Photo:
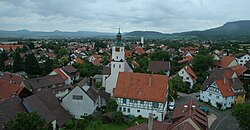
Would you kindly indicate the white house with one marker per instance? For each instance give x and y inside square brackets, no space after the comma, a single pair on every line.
[242,59]
[217,88]
[118,64]
[188,76]
[140,94]
[84,99]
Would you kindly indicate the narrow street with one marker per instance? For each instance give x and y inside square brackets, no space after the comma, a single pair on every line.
[223,120]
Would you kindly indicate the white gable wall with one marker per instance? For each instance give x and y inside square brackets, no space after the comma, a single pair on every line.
[213,95]
[243,60]
[185,77]
[78,108]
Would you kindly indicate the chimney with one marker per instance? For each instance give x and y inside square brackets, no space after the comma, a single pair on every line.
[150,80]
[150,121]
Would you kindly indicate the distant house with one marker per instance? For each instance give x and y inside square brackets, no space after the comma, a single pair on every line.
[139,51]
[9,90]
[188,76]
[222,87]
[186,59]
[227,61]
[140,94]
[159,66]
[84,99]
[47,106]
[68,73]
[95,59]
[242,59]
[12,78]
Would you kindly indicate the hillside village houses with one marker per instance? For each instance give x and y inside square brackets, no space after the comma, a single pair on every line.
[188,76]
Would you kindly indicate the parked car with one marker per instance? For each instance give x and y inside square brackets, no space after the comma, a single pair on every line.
[204,109]
[171,106]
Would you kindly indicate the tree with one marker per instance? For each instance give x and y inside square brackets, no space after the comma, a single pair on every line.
[18,62]
[4,55]
[111,105]
[31,65]
[201,64]
[88,69]
[179,85]
[27,121]
[242,114]
[1,63]
[31,45]
[160,56]
[117,117]
[47,66]
[63,52]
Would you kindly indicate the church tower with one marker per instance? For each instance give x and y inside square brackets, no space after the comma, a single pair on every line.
[118,64]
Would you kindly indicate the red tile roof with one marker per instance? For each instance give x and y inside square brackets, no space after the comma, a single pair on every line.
[140,86]
[189,111]
[190,72]
[12,78]
[7,90]
[8,47]
[238,69]
[224,87]
[186,59]
[78,61]
[128,53]
[225,61]
[59,71]
[139,51]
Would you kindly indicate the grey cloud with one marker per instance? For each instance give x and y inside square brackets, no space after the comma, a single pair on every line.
[107,15]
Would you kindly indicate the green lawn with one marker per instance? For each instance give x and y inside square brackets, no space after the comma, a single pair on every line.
[96,124]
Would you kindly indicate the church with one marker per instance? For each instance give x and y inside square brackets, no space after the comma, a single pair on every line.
[118,64]
[136,94]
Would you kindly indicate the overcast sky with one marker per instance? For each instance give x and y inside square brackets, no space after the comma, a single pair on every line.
[107,15]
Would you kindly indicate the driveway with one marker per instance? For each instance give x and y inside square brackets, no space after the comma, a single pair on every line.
[219,120]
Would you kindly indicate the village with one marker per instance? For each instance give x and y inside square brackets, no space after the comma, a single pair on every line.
[117,84]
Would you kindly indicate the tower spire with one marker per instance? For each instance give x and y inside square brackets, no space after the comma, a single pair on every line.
[119,38]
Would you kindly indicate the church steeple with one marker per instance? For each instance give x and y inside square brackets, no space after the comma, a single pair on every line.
[119,38]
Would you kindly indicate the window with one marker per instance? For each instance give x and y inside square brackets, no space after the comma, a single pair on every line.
[124,100]
[113,65]
[121,49]
[142,102]
[77,97]
[182,72]
[128,110]
[135,101]
[124,109]
[85,114]
[116,57]
[120,108]
[217,97]
[155,104]
[117,49]
[187,78]
[210,94]
[138,111]
[131,100]
[120,66]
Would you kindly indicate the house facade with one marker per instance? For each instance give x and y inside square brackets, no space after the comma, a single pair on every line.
[188,76]
[84,99]
[242,59]
[139,94]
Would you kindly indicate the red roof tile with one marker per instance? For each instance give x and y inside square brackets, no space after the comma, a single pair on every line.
[59,71]
[190,72]
[224,87]
[238,69]
[8,47]
[12,78]
[7,90]
[139,51]
[186,59]
[140,86]
[78,61]
[225,61]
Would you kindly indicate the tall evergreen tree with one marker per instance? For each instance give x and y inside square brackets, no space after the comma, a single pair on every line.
[18,62]
[4,55]
[1,63]
[31,65]
[47,66]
